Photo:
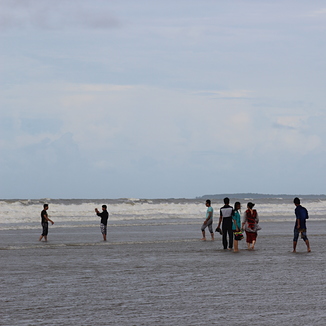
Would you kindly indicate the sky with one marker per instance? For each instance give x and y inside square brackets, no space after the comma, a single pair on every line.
[161,99]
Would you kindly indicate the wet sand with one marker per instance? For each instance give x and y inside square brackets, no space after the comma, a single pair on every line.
[159,272]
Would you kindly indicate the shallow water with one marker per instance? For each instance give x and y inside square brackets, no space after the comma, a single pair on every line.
[159,272]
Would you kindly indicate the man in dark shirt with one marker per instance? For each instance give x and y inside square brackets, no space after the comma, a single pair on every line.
[104,220]
[44,221]
[301,214]
[226,213]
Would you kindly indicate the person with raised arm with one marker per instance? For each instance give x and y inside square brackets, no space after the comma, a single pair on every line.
[104,220]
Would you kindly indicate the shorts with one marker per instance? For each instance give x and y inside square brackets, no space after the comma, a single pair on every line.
[45,227]
[209,224]
[103,228]
[297,233]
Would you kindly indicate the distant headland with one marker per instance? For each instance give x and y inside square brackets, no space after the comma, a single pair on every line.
[262,196]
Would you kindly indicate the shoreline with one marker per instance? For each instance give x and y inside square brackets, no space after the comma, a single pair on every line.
[144,231]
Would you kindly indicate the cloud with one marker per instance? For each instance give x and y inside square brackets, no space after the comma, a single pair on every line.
[290,122]
[183,92]
[160,123]
[319,12]
[97,88]
[288,135]
[227,94]
[55,15]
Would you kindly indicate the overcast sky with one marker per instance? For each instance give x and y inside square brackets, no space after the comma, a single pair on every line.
[160,99]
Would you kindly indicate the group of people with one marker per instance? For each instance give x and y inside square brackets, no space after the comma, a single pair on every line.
[230,220]
[232,227]
[104,215]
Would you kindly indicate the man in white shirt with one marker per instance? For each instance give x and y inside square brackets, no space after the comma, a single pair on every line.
[226,213]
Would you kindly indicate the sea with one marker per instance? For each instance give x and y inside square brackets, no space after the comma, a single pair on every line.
[154,269]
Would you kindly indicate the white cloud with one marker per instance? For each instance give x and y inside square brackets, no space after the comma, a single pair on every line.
[161,123]
[181,89]
[94,88]
[55,15]
[231,94]
[301,143]
[319,12]
[292,121]
[291,135]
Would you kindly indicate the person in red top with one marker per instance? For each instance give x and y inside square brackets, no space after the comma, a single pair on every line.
[250,225]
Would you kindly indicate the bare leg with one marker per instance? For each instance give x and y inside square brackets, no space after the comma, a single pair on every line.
[236,246]
[308,245]
[45,238]
[294,246]
[212,236]
[41,237]
[253,244]
[204,236]
[248,244]
[104,237]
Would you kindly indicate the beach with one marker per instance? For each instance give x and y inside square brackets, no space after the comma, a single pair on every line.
[159,272]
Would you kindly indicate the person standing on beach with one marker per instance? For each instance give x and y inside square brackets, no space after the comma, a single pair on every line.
[250,225]
[208,221]
[236,226]
[301,214]
[45,223]
[226,213]
[104,220]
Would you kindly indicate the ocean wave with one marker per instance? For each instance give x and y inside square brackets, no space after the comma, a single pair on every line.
[70,211]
